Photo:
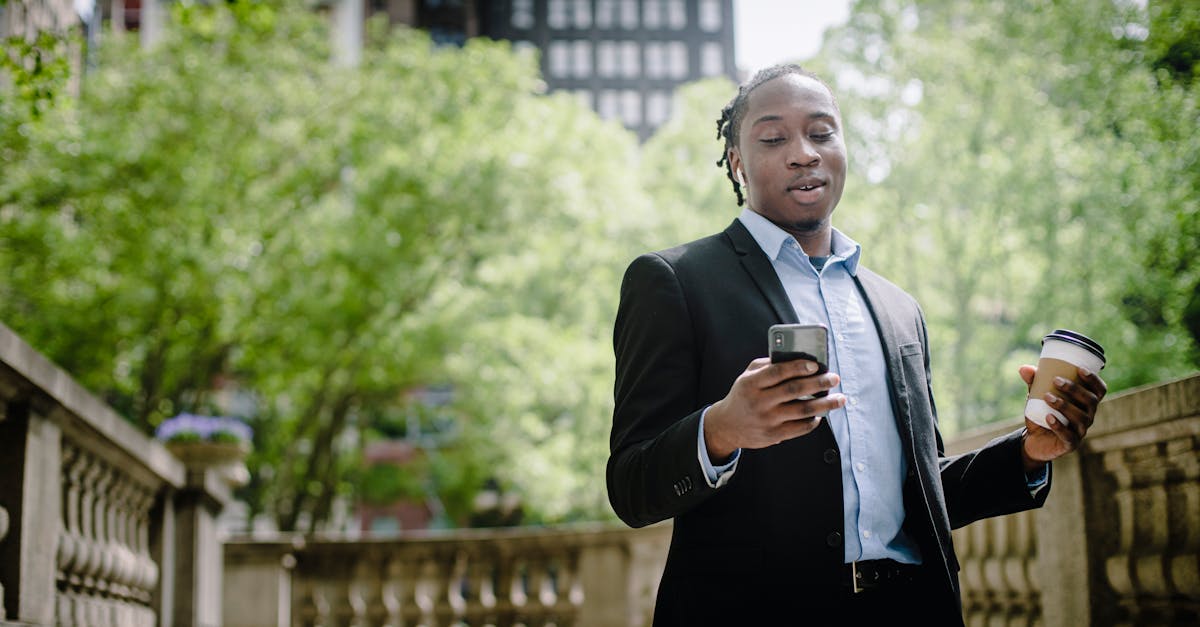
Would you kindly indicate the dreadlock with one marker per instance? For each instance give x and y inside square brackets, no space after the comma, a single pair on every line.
[730,123]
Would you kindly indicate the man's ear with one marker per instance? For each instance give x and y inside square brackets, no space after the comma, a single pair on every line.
[735,164]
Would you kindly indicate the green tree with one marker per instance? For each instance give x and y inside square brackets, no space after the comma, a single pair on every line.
[1013,160]
[231,206]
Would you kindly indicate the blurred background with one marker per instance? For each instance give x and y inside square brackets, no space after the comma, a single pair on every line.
[389,235]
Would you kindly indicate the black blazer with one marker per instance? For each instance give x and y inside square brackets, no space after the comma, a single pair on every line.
[690,320]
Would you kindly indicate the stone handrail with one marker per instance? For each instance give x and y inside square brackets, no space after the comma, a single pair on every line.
[574,575]
[1118,541]
[96,519]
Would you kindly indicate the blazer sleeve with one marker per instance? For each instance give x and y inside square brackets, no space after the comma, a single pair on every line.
[654,472]
[988,481]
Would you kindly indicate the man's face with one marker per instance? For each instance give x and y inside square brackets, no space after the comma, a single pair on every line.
[791,154]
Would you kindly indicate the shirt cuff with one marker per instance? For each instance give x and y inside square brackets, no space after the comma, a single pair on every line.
[716,476]
[1037,480]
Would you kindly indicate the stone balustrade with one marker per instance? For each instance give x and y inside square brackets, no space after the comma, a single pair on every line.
[99,524]
[1118,541]
[574,575]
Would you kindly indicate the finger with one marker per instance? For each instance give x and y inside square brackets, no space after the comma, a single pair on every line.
[1027,372]
[795,428]
[1093,382]
[799,410]
[1078,421]
[1079,396]
[802,387]
[784,370]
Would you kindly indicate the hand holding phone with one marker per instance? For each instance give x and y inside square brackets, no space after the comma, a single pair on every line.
[786,342]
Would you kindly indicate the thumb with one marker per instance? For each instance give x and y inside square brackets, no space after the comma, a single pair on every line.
[1027,371]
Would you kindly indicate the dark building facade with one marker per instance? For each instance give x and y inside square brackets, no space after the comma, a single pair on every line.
[623,58]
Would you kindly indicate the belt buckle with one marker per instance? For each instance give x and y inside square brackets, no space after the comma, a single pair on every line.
[854,577]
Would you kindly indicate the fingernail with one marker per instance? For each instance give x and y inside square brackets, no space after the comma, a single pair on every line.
[1060,382]
[1084,371]
[810,367]
[1051,399]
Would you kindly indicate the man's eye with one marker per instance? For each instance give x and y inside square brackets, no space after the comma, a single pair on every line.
[772,140]
[822,137]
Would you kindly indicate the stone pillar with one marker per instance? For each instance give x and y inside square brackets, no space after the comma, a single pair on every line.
[198,552]
[30,476]
[152,22]
[1062,547]
[347,32]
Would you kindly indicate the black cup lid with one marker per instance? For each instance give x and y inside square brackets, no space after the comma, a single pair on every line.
[1078,339]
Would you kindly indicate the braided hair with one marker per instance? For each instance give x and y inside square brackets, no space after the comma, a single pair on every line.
[730,123]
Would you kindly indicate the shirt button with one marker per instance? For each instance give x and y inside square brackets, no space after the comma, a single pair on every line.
[860,466]
[834,539]
[830,456]
[867,533]
[854,401]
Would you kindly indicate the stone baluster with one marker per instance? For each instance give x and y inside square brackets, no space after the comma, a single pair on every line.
[3,533]
[71,547]
[540,589]
[509,596]
[1157,494]
[481,583]
[397,594]
[147,568]
[362,592]
[445,587]
[316,608]
[458,590]
[569,593]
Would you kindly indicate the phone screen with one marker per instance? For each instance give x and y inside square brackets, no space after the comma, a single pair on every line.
[800,341]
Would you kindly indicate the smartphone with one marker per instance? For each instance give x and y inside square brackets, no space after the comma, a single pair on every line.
[786,342]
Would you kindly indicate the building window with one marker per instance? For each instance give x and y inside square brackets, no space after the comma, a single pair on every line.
[711,60]
[556,13]
[629,14]
[581,58]
[677,59]
[582,14]
[631,108]
[630,67]
[606,13]
[652,13]
[710,15]
[558,58]
[656,59]
[676,14]
[522,14]
[606,59]
[608,105]
[658,107]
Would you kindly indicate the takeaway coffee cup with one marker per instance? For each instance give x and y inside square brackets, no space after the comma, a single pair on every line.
[1062,351]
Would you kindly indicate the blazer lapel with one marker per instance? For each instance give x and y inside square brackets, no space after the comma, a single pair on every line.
[877,304]
[759,267]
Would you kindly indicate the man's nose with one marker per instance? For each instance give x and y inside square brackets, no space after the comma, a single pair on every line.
[803,155]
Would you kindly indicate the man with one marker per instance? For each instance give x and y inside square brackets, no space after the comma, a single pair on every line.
[834,509]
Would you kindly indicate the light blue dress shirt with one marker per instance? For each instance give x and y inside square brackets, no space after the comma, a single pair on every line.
[872,463]
[873,466]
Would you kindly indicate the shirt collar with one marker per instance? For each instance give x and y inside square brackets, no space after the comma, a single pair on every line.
[772,239]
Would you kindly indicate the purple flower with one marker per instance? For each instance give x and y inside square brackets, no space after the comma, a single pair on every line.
[203,428]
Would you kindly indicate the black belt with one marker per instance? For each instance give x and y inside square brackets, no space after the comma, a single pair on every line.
[867,574]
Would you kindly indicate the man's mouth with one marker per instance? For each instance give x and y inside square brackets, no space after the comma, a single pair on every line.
[807,191]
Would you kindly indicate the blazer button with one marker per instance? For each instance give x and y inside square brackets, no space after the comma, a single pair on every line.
[834,539]
[830,456]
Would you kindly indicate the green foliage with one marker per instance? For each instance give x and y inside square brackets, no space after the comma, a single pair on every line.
[387,483]
[1022,167]
[230,206]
